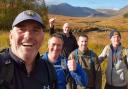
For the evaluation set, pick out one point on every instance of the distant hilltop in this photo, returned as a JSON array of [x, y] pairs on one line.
[[68, 10]]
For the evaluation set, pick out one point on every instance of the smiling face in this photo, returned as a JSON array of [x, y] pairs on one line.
[[55, 46], [26, 39], [66, 28], [115, 39], [83, 43]]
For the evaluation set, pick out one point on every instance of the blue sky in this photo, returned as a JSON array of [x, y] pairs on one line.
[[96, 4]]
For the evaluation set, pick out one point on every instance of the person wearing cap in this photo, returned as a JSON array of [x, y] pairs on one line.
[[115, 67], [70, 42], [64, 68], [26, 69]]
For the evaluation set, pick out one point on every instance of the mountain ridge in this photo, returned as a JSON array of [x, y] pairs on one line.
[[68, 10]]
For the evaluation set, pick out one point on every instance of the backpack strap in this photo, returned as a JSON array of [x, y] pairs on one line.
[[52, 75], [76, 55], [6, 69], [64, 66], [92, 64], [90, 54]]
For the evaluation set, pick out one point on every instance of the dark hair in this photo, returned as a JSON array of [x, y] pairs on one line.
[[82, 35], [57, 35]]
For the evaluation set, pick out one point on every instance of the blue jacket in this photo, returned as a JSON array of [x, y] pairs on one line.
[[63, 73]]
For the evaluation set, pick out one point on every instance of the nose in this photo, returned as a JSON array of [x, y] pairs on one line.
[[55, 47], [28, 34]]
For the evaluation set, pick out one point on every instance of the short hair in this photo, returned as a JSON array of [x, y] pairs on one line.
[[66, 24], [56, 35], [82, 35]]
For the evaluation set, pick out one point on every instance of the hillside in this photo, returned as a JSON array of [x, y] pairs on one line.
[[123, 10], [68, 10], [108, 12]]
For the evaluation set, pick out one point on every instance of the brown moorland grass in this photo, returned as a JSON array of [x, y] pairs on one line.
[[76, 22], [117, 22], [4, 39], [97, 41]]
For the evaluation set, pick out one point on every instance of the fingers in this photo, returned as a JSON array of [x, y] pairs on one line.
[[71, 65], [52, 20]]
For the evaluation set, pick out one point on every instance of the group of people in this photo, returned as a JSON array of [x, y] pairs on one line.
[[68, 63]]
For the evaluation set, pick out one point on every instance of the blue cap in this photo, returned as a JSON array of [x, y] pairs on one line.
[[27, 15]]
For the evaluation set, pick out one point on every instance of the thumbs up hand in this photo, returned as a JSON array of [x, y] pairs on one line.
[[71, 64]]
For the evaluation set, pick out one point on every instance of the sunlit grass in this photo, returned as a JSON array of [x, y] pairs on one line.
[[43, 48], [97, 41], [4, 40]]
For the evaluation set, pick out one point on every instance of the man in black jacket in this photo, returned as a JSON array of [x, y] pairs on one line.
[[21, 66], [69, 39]]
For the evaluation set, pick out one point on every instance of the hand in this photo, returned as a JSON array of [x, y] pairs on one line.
[[71, 65], [51, 21]]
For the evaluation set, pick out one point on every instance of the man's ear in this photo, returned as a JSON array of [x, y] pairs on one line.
[[10, 36], [78, 42]]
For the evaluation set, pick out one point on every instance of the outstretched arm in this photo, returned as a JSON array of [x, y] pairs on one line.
[[103, 55], [51, 25]]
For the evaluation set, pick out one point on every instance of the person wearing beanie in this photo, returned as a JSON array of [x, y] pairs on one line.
[[114, 32], [21, 66], [115, 65]]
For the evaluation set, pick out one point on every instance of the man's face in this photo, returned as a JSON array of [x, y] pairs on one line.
[[66, 28], [82, 43], [55, 46], [115, 40], [26, 39]]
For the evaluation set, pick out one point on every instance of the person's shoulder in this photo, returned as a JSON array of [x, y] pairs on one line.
[[92, 53], [44, 56], [73, 36], [107, 48], [73, 53], [45, 63], [4, 55], [62, 58]]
